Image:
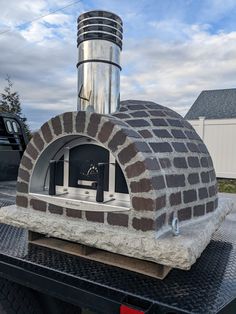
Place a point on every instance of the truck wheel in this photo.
(16, 299)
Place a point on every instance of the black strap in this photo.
(98, 60)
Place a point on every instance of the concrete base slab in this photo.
(179, 251)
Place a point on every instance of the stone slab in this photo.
(175, 251)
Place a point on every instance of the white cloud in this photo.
(174, 73)
(170, 67)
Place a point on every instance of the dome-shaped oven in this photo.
(144, 165)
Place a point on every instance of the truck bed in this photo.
(209, 287)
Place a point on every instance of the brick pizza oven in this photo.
(164, 169)
(130, 177)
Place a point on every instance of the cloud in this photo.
(167, 60)
(174, 73)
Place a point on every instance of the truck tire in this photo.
(16, 299)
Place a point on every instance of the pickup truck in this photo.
(34, 279)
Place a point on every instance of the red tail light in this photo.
(124, 309)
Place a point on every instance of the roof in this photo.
(214, 104)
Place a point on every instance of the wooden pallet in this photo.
(133, 264)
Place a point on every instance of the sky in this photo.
(172, 50)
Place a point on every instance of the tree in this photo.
(10, 102)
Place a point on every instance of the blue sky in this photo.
(173, 49)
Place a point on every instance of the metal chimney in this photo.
(99, 44)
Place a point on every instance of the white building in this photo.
(213, 115)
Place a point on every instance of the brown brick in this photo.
(165, 163)
(21, 201)
(32, 151)
(38, 205)
(117, 219)
(138, 123)
(162, 133)
(175, 180)
(127, 153)
(174, 122)
(141, 203)
(193, 178)
(56, 125)
(106, 131)
(139, 167)
(210, 206)
(161, 147)
(22, 187)
(26, 162)
(117, 140)
(185, 214)
(179, 147)
(145, 134)
(95, 216)
(80, 121)
(202, 193)
(190, 196)
(146, 185)
(178, 133)
(23, 175)
(55, 209)
(139, 114)
(73, 213)
(198, 210)
(38, 141)
(205, 177)
(67, 122)
(159, 122)
(193, 162)
(135, 169)
(160, 221)
(93, 125)
(47, 134)
(180, 162)
(143, 224)
(175, 198)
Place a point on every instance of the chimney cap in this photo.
(101, 25)
(100, 14)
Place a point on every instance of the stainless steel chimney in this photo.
(99, 45)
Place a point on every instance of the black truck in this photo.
(13, 141)
(34, 279)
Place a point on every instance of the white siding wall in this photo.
(220, 139)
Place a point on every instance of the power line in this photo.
(40, 17)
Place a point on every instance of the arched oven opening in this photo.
(81, 175)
